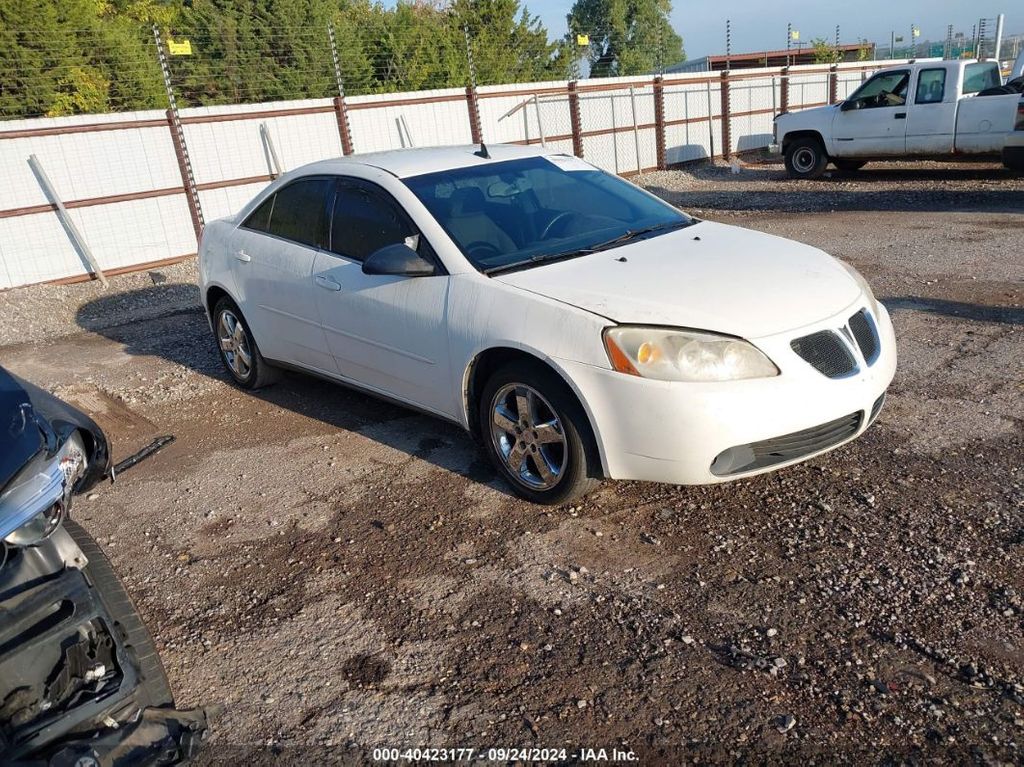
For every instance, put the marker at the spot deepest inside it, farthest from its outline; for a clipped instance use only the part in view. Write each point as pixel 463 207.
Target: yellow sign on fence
pixel 582 39
pixel 179 47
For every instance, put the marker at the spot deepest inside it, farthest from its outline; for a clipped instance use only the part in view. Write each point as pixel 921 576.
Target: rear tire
pixel 242 359
pixel 153 689
pixel 530 419
pixel 849 166
pixel 805 158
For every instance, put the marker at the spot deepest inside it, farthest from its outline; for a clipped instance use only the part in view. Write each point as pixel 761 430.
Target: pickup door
pixel 931 117
pixel 873 121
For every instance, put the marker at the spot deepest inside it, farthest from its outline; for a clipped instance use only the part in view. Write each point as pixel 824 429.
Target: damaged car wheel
pixel 238 350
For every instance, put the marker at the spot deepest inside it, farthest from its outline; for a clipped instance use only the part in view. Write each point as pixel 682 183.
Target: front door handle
pixel 243 256
pixel 327 283
pixel 900 115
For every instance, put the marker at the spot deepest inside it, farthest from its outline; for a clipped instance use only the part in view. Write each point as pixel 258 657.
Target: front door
pixel 386 333
pixel 873 121
pixel 273 252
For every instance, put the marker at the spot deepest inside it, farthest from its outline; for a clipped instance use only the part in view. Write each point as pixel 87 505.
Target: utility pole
pixel 892 44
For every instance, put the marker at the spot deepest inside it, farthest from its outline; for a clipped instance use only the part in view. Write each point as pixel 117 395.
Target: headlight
pixel 36 500
pixel 859 279
pixel 667 354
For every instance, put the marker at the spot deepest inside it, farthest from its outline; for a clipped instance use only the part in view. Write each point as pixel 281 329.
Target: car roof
pixel 404 163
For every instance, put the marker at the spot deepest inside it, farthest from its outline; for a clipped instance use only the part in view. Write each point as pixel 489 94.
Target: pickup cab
pixel 922 109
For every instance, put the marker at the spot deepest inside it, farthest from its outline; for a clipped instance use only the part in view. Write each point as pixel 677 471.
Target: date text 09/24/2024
pixel 530 754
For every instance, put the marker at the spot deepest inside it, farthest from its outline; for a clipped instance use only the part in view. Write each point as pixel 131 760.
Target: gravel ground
pixel 344 574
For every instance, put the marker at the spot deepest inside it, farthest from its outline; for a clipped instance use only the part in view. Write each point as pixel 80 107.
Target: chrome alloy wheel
pixel 528 436
pixel 804 159
pixel 234 344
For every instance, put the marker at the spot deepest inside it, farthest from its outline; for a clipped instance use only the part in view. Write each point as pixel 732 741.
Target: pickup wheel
pixel 849 166
pixel 806 158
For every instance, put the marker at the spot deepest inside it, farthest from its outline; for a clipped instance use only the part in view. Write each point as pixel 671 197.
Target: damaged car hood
pixel 20 435
pixel 708 276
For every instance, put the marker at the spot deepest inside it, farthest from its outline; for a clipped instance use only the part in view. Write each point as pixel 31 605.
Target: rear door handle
pixel 900 115
pixel 243 256
pixel 327 283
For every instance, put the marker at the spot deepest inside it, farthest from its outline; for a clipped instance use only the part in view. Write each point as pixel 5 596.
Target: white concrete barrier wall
pixel 230 162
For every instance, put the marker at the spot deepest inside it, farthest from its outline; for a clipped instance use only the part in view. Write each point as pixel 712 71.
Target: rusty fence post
pixel 659 121
pixel 726 118
pixel 833 84
pixel 187 178
pixel 575 120
pixel 473 105
pixel 344 129
pixel 784 88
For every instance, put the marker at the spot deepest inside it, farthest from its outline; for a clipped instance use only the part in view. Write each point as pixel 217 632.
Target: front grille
pixel 864 332
pixel 826 352
pixel 759 455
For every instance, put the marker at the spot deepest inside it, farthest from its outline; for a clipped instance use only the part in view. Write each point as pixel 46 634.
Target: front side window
pixel 981 75
pixel 297 212
pixel 364 221
pixel 886 89
pixel 931 86
pixel 519 213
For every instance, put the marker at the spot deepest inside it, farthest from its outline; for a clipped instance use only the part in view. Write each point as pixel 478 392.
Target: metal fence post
pixel 784 91
pixel 188 179
pixel 340 109
pixel 472 102
pixel 833 83
pixel 726 118
pixel 575 121
pixel 659 122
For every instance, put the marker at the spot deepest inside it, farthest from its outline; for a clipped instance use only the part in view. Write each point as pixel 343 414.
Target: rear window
pixel 295 213
pixel 981 75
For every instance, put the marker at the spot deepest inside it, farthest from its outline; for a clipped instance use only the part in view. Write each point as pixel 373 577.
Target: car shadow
pixel 1005 315
pixel 169 329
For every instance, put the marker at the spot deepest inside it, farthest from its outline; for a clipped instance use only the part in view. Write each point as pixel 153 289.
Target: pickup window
pixel 981 75
pixel 886 89
pixel 931 86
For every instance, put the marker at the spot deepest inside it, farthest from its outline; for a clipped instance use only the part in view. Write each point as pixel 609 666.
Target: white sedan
pixel 578 326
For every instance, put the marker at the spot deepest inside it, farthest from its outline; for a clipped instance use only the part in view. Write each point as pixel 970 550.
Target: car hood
pixel 33 420
pixel 708 277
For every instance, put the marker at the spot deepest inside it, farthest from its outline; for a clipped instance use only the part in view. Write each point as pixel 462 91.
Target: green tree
pixel 627 37
pixel 824 51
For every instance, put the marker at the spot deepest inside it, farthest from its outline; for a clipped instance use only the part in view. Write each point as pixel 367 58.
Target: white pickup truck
pixel 923 109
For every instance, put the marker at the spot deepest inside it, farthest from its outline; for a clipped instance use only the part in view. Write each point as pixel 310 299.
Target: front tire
pixel 806 158
pixel 238 350
pixel 536 434
pixel 849 166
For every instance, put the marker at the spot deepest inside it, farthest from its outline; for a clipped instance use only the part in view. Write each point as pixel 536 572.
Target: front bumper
pixel 673 432
pixel 67 681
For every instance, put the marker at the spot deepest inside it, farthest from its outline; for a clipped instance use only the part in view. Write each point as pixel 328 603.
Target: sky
pixel 758 25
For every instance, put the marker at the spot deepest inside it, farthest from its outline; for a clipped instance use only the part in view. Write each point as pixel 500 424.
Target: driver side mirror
pixel 846 106
pixel 398 260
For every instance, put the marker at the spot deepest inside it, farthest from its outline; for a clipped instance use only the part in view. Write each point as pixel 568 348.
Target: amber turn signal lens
pixel 619 360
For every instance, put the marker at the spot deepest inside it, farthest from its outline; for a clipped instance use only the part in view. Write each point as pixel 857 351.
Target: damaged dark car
pixel 80 680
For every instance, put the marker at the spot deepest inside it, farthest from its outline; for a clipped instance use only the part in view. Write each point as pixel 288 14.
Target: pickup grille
pixel 826 352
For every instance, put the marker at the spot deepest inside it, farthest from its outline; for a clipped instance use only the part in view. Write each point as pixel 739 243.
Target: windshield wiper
pixel 630 234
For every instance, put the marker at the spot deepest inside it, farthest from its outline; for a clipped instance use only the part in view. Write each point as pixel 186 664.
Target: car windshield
pixel 524 212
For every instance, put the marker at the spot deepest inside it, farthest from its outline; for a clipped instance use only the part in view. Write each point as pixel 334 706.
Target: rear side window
pixel 295 213
pixel 259 219
pixel 981 75
pixel 364 222
pixel 931 86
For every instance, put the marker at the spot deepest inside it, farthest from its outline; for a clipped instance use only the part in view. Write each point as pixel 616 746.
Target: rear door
pixel 273 252
pixel 931 115
pixel 388 333
pixel 873 121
